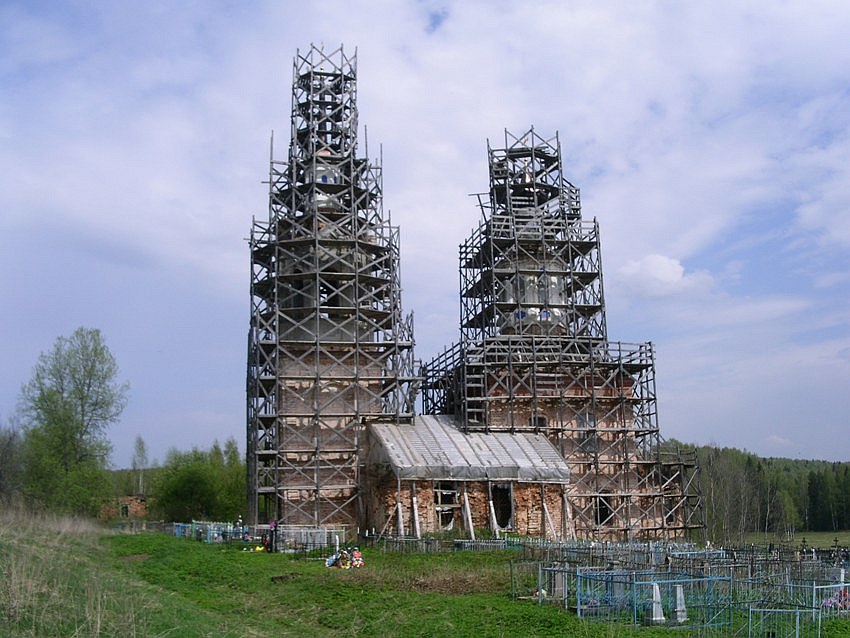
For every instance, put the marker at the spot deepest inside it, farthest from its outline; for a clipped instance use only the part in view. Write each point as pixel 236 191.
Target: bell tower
pixel 328 345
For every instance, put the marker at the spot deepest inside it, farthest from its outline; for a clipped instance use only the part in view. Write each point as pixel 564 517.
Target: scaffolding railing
pixel 328 344
pixel 534 354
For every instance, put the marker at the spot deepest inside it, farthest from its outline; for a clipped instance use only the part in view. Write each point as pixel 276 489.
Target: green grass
pixel 71 578
pixel 448 594
pixel 57 578
pixel 824 540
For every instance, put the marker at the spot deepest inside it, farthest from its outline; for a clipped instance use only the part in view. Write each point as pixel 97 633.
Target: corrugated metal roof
pixel 433 448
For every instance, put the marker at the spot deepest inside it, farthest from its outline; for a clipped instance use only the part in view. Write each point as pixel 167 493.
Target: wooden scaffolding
pixel 534 353
pixel 328 345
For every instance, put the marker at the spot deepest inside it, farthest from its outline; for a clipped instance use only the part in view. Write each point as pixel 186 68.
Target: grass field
pixel 824 540
pixel 65 577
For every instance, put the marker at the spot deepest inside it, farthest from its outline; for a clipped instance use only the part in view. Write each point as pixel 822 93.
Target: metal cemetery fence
pixel 747 591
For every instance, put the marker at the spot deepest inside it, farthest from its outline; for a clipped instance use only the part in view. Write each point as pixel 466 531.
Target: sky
pixel 710 139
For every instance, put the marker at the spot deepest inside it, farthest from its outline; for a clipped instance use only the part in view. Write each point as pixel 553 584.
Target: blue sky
pixel 710 139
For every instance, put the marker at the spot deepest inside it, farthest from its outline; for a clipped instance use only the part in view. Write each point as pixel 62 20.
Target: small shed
pixel 429 477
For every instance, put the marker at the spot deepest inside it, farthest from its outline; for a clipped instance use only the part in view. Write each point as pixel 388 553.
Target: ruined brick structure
pixel 332 439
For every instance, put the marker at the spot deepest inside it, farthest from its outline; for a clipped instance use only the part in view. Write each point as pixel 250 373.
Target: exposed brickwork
pixel 529 516
pixel 124 507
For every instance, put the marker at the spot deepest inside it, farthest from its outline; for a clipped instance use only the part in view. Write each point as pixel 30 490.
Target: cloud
pixel 713 152
pixel 658 276
pixel 779 441
pixel 825 207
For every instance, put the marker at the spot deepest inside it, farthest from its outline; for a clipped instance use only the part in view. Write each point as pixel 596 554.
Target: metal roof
pixel 434 448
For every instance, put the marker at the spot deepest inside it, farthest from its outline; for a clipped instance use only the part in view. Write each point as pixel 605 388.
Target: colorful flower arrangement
pixel 346 559
pixel 841 600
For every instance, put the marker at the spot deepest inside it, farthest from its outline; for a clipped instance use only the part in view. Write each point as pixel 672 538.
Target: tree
pixel 207 485
pixel 186 488
pixel 140 462
pixel 729 485
pixel 233 480
pixel 10 461
pixel 66 409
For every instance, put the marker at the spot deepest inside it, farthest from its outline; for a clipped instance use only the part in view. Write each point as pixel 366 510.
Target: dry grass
pixel 53 583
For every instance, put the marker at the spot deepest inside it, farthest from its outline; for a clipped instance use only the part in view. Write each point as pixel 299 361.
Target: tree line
pixel 194 485
pixel 744 493
pixel 54 453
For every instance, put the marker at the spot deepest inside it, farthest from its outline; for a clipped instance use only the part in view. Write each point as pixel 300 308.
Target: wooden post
pixel 398 509
pixel 494 524
pixel 416 531
pixel 468 513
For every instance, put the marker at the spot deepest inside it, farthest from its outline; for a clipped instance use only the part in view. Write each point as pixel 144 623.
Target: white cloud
pixel 658 276
pixel 825 207
pixel 708 139
pixel 779 441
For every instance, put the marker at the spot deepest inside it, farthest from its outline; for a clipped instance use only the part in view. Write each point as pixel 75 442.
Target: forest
pixel 55 455
pixel 779 497
pixel 742 493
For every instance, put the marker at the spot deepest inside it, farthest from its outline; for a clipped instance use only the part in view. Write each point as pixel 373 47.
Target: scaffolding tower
pixel 534 354
pixel 328 345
